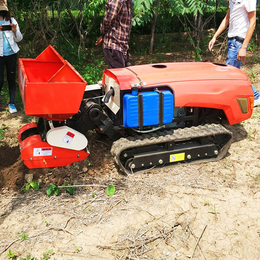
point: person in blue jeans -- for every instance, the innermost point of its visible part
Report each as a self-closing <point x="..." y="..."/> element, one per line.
<point x="9" y="36"/>
<point x="241" y="19"/>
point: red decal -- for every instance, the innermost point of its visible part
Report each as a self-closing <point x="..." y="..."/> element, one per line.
<point x="70" y="134"/>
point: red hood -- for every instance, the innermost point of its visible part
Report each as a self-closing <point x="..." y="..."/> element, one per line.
<point x="166" y="73"/>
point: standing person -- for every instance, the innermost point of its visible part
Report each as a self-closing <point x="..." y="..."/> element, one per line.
<point x="241" y="19"/>
<point x="115" y="32"/>
<point x="9" y="36"/>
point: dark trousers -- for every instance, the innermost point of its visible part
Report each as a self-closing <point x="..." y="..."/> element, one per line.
<point x="9" y="62"/>
<point x="116" y="59"/>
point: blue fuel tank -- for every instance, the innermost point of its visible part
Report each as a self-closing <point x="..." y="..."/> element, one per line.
<point x="148" y="108"/>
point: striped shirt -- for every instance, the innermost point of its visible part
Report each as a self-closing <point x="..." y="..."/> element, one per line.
<point x="116" y="25"/>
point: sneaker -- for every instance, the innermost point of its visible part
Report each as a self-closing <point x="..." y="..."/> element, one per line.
<point x="12" y="108"/>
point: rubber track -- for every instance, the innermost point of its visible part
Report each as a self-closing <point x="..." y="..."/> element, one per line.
<point x="168" y="136"/>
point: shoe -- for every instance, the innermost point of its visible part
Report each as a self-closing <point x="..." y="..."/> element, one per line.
<point x="12" y="108"/>
<point x="257" y="102"/>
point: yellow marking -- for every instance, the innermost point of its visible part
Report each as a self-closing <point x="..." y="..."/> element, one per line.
<point x="177" y="157"/>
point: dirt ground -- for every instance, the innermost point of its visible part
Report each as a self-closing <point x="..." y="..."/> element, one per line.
<point x="202" y="211"/>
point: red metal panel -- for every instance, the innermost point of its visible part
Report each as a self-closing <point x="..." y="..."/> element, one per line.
<point x="38" y="154"/>
<point x="166" y="73"/>
<point x="50" y="87"/>
<point x="25" y="128"/>
<point x="194" y="84"/>
<point x="50" y="54"/>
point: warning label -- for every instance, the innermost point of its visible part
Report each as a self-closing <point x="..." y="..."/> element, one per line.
<point x="47" y="151"/>
<point x="68" y="138"/>
<point x="177" y="157"/>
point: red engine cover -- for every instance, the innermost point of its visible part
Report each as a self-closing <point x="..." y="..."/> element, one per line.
<point x="194" y="84"/>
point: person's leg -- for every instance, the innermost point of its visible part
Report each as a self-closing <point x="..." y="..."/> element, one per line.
<point x="256" y="93"/>
<point x="114" y="59"/>
<point x="233" y="48"/>
<point x="11" y="75"/>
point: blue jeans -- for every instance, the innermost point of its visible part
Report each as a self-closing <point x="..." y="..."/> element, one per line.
<point x="233" y="48"/>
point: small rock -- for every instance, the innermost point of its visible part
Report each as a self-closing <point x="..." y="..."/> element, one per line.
<point x="91" y="172"/>
<point x="28" y="177"/>
<point x="85" y="169"/>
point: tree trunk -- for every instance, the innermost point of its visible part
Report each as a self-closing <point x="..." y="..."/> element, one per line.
<point x="153" y="31"/>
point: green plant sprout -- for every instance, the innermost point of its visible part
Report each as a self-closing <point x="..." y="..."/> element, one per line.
<point x="47" y="255"/>
<point x="214" y="211"/>
<point x="3" y="128"/>
<point x="11" y="254"/>
<point x="69" y="188"/>
<point x="111" y="190"/>
<point x="23" y="236"/>
<point x="252" y="75"/>
<point x="206" y="203"/>
<point x="34" y="185"/>
<point x="53" y="188"/>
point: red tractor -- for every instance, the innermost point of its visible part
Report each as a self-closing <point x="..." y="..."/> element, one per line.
<point x="156" y="114"/>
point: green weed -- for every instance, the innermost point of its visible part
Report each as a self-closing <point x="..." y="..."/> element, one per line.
<point x="111" y="190"/>
<point x="53" y="188"/>
<point x="253" y="45"/>
<point x="206" y="203"/>
<point x="2" y="130"/>
<point x="11" y="254"/>
<point x="255" y="59"/>
<point x="23" y="236"/>
<point x="214" y="211"/>
<point x="252" y="75"/>
<point x="34" y="185"/>
<point x="47" y="255"/>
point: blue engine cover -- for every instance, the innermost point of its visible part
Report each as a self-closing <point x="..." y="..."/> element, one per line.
<point x="147" y="111"/>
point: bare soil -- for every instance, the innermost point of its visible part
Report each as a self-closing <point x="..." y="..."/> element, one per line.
<point x="201" y="211"/>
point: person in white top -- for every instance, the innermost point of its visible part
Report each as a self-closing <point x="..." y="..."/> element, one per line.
<point x="9" y="36"/>
<point x="241" y="19"/>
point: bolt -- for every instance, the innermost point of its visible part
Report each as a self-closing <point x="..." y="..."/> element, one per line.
<point x="188" y="156"/>
<point x="142" y="164"/>
<point x="216" y="152"/>
<point x="198" y="155"/>
<point x="30" y="159"/>
<point x="125" y="155"/>
<point x="55" y="157"/>
<point x="151" y="163"/>
<point x="206" y="154"/>
<point x="78" y="155"/>
<point x="160" y="161"/>
<point x="132" y="166"/>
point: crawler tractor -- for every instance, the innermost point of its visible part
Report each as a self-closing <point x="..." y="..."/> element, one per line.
<point x="156" y="114"/>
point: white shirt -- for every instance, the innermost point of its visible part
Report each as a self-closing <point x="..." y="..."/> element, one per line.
<point x="238" y="20"/>
<point x="12" y="39"/>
